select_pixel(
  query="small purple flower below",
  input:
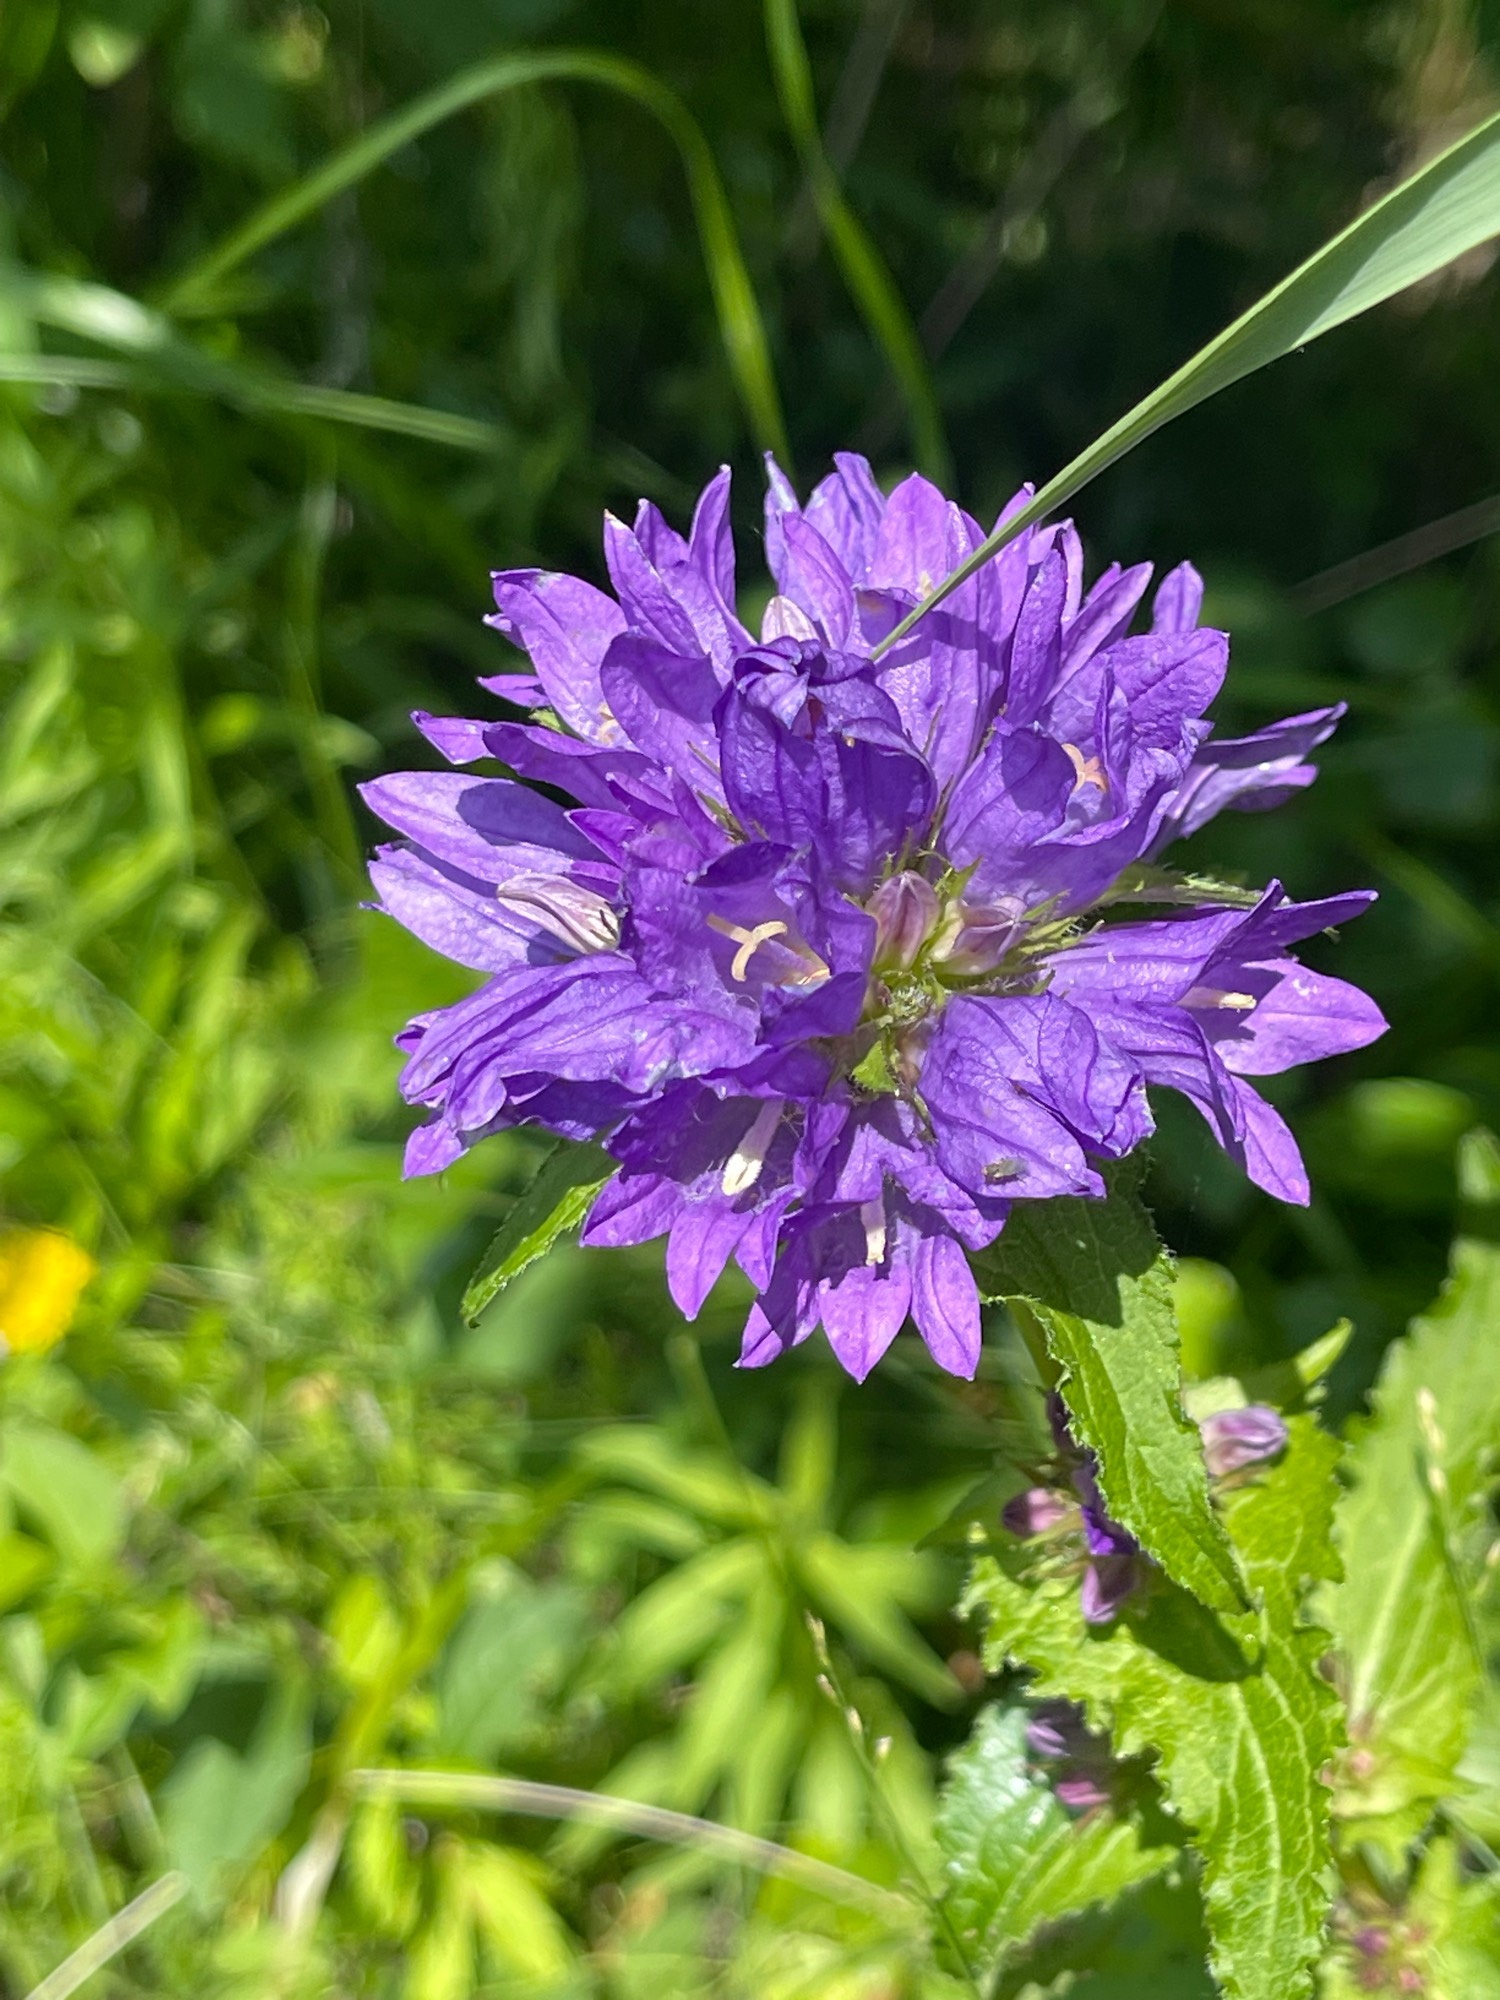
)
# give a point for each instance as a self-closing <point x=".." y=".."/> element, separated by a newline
<point x="1071" y="1516"/>
<point x="825" y="949"/>
<point x="1075" y="1759"/>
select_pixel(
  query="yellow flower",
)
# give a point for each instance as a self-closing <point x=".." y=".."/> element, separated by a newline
<point x="42" y="1273"/>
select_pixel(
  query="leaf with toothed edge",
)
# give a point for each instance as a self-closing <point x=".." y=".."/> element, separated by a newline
<point x="1236" y="1710"/>
<point x="552" y="1207"/>
<point x="1016" y="1859"/>
<point x="1099" y="1284"/>
<point x="1413" y="1530"/>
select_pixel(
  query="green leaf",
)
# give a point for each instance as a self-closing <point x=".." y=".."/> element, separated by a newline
<point x="508" y="1656"/>
<point x="740" y="325"/>
<point x="220" y="1808"/>
<point x="1240" y="1719"/>
<point x="1100" y="1285"/>
<point x="1412" y="1533"/>
<point x="554" y="1205"/>
<point x="68" y="1493"/>
<point x="1016" y="1858"/>
<point x="1439" y="213"/>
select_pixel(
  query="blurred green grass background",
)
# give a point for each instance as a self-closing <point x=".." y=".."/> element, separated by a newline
<point x="269" y="1515"/>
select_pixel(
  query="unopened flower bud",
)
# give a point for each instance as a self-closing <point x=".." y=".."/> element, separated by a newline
<point x="1233" y="1439"/>
<point x="1037" y="1511"/>
<point x="976" y="937"/>
<point x="905" y="908"/>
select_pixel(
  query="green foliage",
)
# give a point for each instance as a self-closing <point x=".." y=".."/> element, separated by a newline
<point x="1235" y="1710"/>
<point x="553" y="1206"/>
<point x="1413" y="1531"/>
<point x="1016" y="1859"/>
<point x="1100" y="1285"/>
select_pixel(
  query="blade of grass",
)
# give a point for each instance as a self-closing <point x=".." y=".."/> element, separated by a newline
<point x="1398" y="557"/>
<point x="459" y="1790"/>
<point x="111" y="1938"/>
<point x="162" y="362"/>
<point x="740" y="325"/>
<point x="1445" y="209"/>
<point x="870" y="283"/>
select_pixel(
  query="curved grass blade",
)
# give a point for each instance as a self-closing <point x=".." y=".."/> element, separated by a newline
<point x="740" y="325"/>
<point x="864" y="270"/>
<point x="110" y="1940"/>
<point x="1447" y="208"/>
<point x="257" y="392"/>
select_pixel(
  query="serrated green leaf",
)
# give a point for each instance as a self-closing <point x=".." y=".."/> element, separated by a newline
<point x="1240" y="1719"/>
<point x="1015" y="1858"/>
<point x="552" y="1207"/>
<point x="1412" y="1535"/>
<point x="1100" y="1285"/>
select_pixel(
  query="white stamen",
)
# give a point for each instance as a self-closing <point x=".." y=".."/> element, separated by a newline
<point x="872" y="1221"/>
<point x="1211" y="996"/>
<point x="749" y="942"/>
<point x="742" y="1168"/>
<point x="1090" y="770"/>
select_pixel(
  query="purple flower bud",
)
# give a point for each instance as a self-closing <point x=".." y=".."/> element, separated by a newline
<point x="1233" y="1439"/>
<point x="1107" y="1583"/>
<point x="1057" y="1729"/>
<point x="1037" y="1511"/>
<point x="1058" y="1735"/>
<point x="905" y="908"/>
<point x="975" y="939"/>
<point x="1080" y="1792"/>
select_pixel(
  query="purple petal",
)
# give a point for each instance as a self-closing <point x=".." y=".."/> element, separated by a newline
<point x="1247" y="773"/>
<point x="1036" y="652"/>
<point x="1107" y="1584"/>
<point x="863" y="1311"/>
<point x="488" y="827"/>
<point x="651" y="607"/>
<point x="460" y="741"/>
<point x="566" y="626"/>
<point x="1304" y="1017"/>
<point x="664" y="703"/>
<point x="430" y="1149"/>
<point x="1178" y="600"/>
<point x="1014" y="1085"/>
<point x="453" y="917"/>
<point x="945" y="1304"/>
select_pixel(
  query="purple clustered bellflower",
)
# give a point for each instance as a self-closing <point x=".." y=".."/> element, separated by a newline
<point x="814" y="948"/>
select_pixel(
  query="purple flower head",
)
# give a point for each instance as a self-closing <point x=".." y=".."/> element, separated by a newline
<point x="816" y="949"/>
